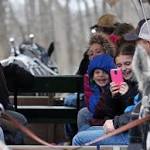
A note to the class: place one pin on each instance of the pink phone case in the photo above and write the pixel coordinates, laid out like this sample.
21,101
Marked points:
116,76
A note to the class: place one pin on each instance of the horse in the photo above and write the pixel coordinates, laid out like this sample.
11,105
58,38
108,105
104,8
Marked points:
30,56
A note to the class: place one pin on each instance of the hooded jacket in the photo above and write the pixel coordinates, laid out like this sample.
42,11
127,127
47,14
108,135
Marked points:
104,62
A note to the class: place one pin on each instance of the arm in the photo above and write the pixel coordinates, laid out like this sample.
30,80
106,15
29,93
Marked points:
121,120
4,96
117,122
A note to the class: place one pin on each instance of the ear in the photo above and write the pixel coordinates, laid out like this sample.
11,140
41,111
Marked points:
51,49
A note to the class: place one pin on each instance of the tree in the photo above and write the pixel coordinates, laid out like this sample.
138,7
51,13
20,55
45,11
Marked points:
3,30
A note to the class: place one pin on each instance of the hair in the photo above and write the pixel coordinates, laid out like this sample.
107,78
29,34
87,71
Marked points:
122,28
126,49
102,39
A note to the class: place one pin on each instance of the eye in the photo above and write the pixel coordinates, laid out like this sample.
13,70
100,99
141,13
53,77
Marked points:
119,65
90,53
99,51
128,63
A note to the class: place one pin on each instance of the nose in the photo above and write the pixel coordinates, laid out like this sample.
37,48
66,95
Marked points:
94,54
123,68
101,73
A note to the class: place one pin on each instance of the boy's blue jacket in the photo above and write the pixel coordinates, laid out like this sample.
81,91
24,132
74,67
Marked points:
104,62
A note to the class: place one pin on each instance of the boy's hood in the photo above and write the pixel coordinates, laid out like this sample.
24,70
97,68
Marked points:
104,62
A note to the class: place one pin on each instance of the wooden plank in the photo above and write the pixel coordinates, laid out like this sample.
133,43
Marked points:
51,114
57,84
39,147
29,97
53,84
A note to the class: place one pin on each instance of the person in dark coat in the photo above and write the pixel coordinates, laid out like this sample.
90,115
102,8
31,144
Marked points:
12,76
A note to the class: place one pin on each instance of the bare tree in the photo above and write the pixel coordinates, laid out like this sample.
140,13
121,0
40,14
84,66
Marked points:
30,15
44,19
14,19
69,29
80,21
3,31
88,15
51,20
95,9
104,6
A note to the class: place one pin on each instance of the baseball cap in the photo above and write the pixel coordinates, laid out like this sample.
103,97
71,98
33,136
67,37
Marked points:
142,31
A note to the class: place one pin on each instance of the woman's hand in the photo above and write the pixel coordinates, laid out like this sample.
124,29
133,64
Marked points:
108,126
114,88
123,88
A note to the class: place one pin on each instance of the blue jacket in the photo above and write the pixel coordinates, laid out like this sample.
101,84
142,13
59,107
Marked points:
104,62
137,100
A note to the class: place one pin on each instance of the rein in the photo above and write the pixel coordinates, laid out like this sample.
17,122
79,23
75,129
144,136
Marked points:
33,136
126,127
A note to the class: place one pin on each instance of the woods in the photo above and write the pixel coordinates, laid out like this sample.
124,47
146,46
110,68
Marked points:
66,22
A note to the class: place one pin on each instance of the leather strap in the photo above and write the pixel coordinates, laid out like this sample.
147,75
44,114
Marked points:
126,127
27,131
32,135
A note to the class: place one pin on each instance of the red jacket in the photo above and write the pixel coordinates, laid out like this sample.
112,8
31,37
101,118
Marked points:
87,89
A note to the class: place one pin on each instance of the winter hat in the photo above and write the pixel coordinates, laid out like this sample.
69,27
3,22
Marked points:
104,62
107,20
105,23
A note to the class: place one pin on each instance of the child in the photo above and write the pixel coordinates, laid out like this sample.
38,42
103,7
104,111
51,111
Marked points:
99,73
129,88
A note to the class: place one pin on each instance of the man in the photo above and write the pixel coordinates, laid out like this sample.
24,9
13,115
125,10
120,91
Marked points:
12,76
141,68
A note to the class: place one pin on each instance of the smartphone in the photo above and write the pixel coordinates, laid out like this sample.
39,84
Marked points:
116,76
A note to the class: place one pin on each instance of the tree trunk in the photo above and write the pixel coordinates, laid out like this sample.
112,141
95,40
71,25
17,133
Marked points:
81,25
87,11
3,31
30,15
95,9
16,22
69,32
51,20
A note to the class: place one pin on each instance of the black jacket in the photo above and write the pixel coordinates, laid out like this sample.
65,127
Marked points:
4,100
135,134
127,99
12,76
125,118
83,64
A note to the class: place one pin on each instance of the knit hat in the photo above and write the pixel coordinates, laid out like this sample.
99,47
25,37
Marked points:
107,20
104,62
106,23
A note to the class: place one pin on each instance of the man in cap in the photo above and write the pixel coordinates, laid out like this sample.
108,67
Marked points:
141,34
141,68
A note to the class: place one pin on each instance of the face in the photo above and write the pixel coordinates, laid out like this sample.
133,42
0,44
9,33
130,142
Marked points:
145,44
101,78
94,50
125,63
